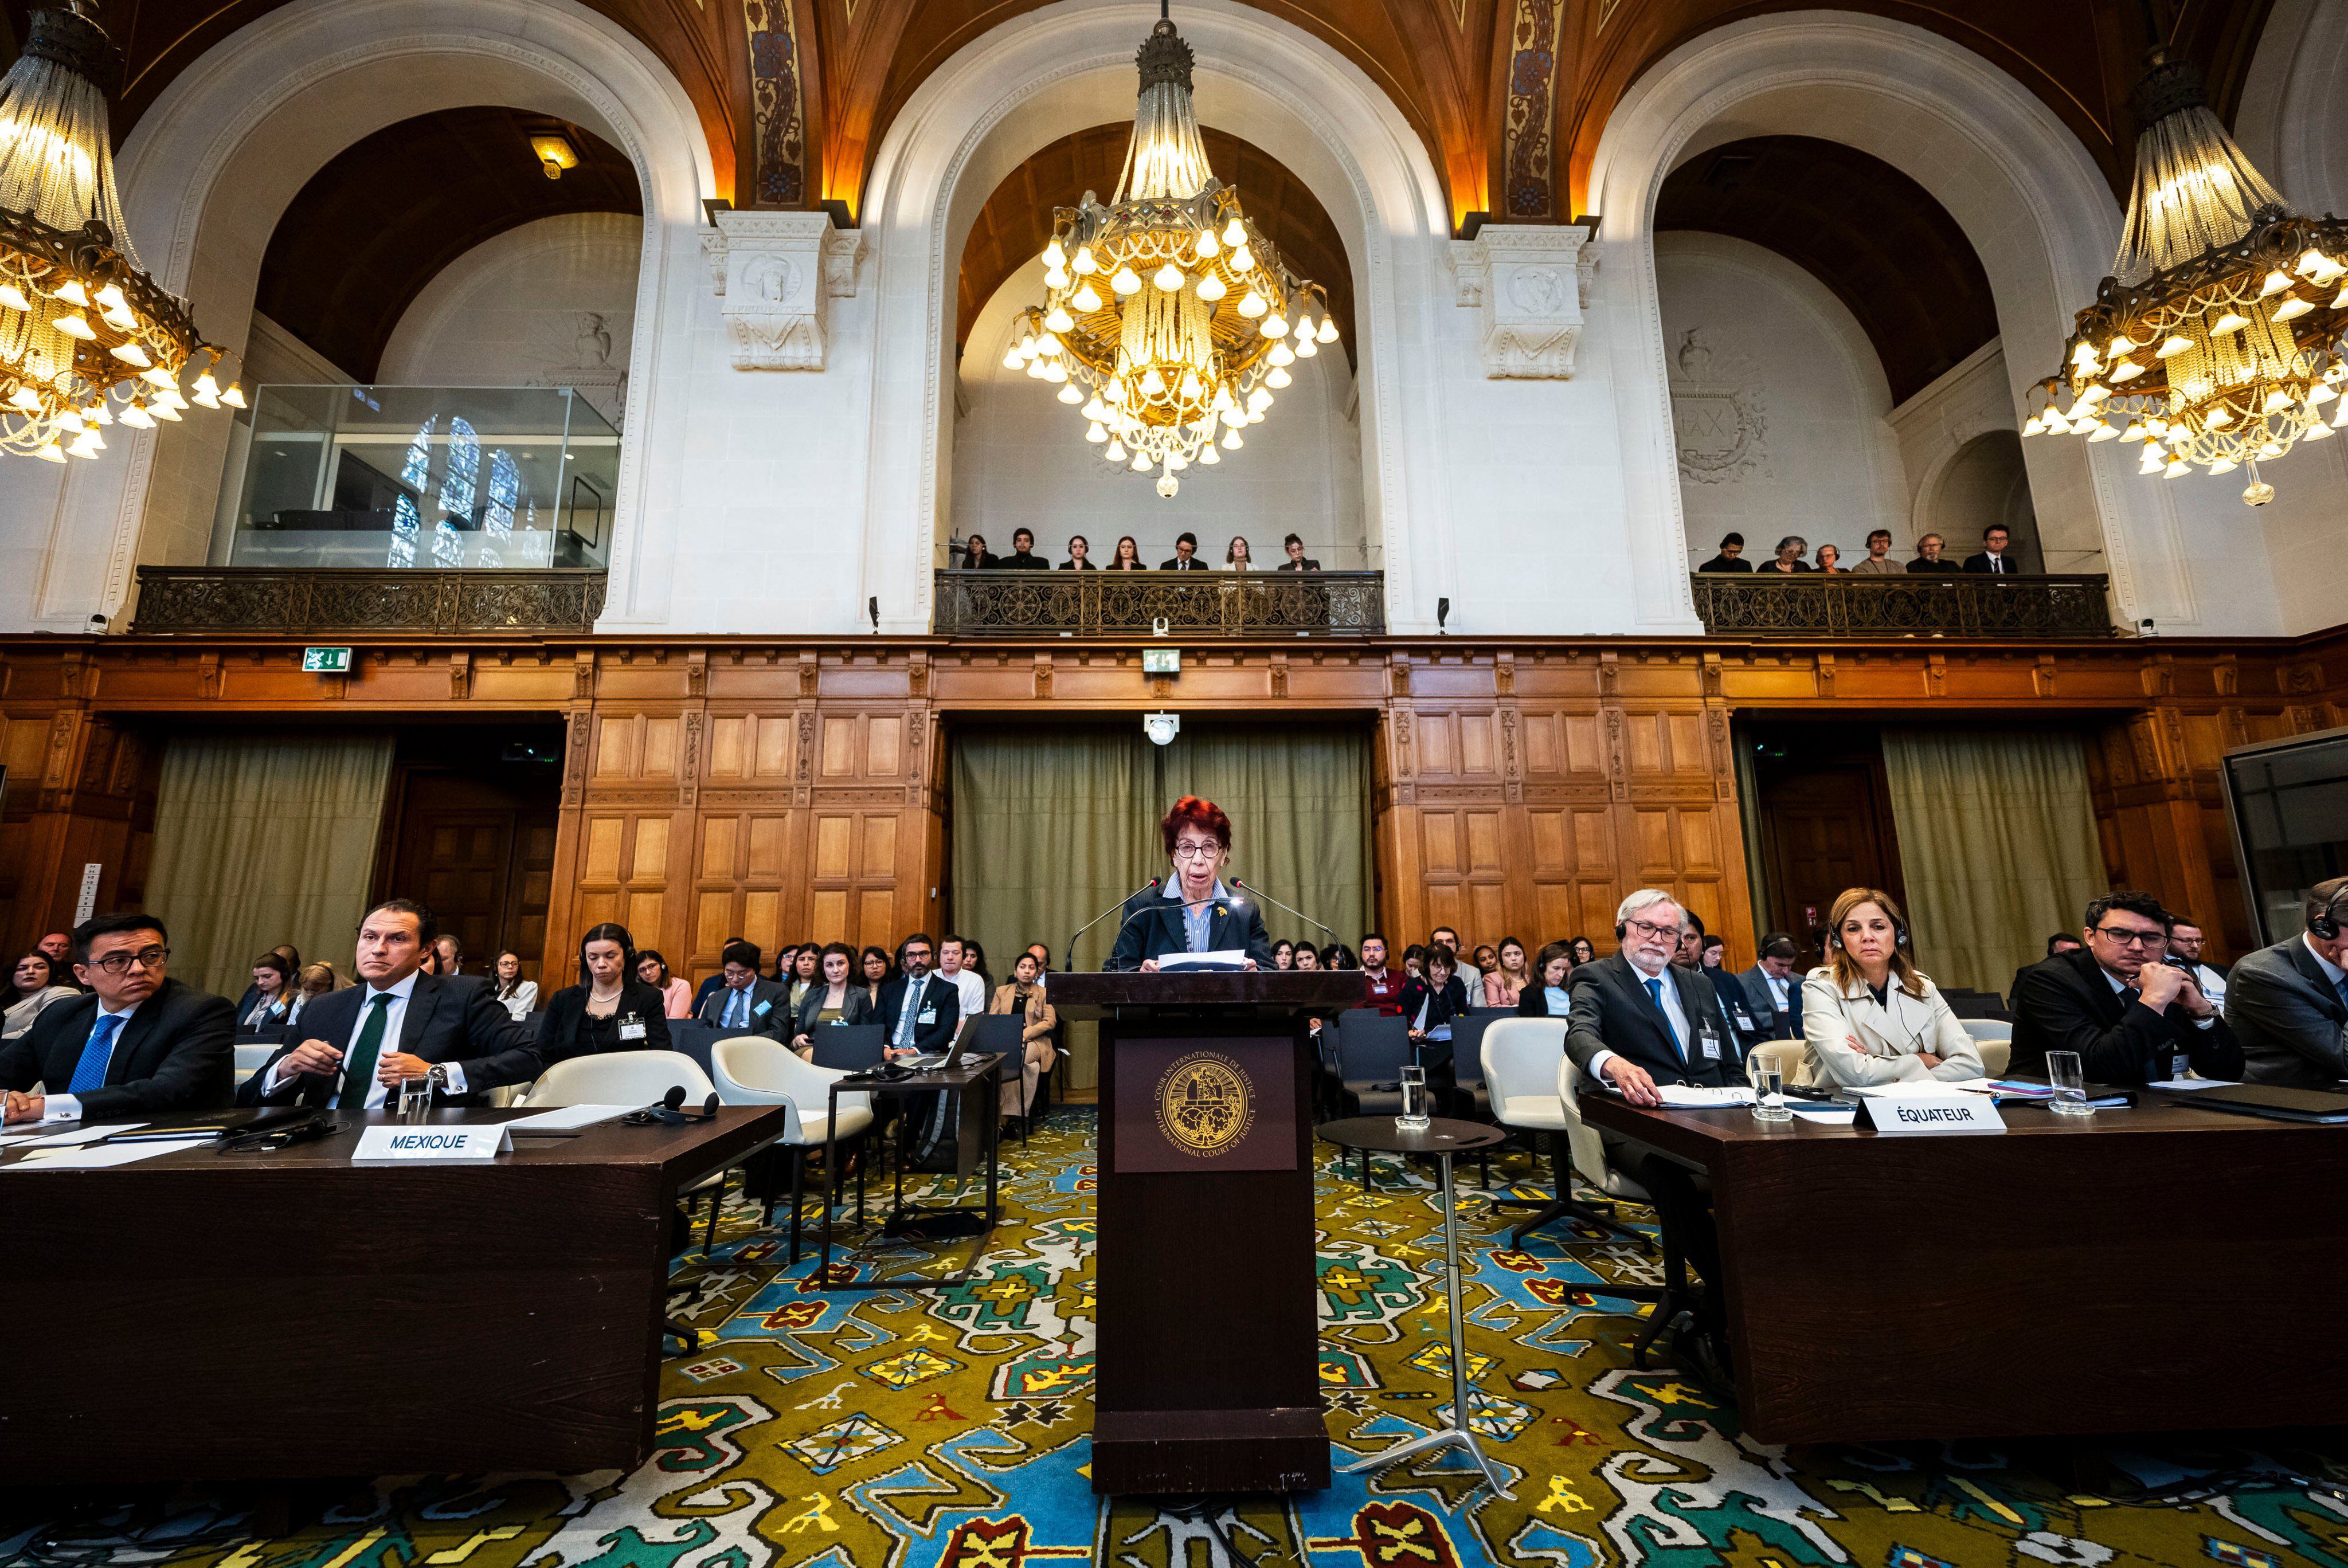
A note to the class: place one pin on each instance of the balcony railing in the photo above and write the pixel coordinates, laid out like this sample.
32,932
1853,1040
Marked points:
1814,606
1160,603
299,602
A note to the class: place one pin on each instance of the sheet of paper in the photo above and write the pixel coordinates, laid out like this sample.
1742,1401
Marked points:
83,1135
76,1158
567,1118
1233,957
1930,1088
2194,1083
1833,1115
1693,1097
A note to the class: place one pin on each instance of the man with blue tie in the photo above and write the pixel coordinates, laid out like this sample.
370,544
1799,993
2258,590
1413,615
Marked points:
918,1011
743,1002
1637,1020
140,1045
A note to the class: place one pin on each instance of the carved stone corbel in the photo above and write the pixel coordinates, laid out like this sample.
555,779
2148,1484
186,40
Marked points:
777,274
1529,283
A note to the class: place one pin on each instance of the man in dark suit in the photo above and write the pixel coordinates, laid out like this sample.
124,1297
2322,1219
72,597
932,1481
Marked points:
140,1045
1732,548
2059,942
358,1044
742,1001
2185,939
1184,548
2287,1004
1992,561
2133,1016
1772,990
918,1011
1023,555
1928,555
1638,1020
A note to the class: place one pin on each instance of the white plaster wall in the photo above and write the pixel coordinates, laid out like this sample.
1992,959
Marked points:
1780,373
1021,460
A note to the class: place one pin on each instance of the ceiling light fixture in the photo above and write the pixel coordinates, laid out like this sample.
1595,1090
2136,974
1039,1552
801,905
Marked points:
555,154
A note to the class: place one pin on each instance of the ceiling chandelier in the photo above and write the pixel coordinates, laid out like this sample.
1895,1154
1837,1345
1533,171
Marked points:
2217,341
86,338
1166,305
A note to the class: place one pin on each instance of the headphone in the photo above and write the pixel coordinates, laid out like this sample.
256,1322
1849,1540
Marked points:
1898,929
2325,928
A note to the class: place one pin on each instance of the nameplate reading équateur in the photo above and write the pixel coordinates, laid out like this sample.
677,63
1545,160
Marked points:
1890,1113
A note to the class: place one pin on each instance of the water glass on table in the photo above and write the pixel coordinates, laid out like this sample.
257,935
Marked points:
1414,1117
2068,1075
1768,1089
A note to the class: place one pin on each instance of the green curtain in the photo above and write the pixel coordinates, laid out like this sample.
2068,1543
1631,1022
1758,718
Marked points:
1053,822
263,839
1997,844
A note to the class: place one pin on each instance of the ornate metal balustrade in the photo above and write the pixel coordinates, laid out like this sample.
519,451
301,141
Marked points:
1137,603
283,599
1811,606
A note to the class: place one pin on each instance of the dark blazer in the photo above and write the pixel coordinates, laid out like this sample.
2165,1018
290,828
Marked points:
1178,564
1613,1011
1442,1005
1307,564
2065,1003
2292,1024
1942,565
1533,1001
1736,1006
1769,568
772,996
856,1009
1726,563
701,992
985,562
1152,927
938,997
558,1029
1022,560
454,1020
177,1053
1071,566
1979,565
1773,1023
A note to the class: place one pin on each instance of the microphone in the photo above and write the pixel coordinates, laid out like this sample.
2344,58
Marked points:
1260,892
1069,958
1184,904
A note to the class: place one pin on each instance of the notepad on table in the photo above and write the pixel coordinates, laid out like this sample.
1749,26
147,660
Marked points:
1691,1097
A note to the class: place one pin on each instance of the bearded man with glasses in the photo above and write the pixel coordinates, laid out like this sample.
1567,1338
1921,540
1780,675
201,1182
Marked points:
2133,1015
140,1045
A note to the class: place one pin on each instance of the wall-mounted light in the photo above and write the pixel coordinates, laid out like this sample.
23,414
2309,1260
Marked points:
555,154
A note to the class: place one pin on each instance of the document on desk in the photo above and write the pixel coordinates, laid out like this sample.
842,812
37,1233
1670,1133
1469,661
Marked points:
84,1157
1220,959
1694,1097
85,1135
1825,1115
2195,1083
567,1118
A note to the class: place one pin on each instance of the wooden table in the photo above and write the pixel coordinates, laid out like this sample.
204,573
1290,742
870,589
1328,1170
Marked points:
2151,1269
280,1317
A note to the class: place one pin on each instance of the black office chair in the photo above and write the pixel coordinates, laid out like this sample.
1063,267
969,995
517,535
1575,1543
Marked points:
849,1047
1470,1099
1373,1048
1000,1034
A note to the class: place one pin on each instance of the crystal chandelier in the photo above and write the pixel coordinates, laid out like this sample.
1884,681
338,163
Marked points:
2217,342
1166,305
86,338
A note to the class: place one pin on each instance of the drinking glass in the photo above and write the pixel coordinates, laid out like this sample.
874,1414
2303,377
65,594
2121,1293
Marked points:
415,1101
1414,1117
1768,1089
2069,1076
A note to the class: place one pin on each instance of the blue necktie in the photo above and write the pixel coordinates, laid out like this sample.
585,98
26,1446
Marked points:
89,1072
905,1014
1655,990
736,1009
2341,985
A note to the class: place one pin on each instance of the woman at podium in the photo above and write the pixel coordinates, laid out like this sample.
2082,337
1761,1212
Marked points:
1191,911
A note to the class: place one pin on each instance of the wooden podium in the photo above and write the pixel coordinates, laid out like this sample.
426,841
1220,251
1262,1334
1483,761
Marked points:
1206,1365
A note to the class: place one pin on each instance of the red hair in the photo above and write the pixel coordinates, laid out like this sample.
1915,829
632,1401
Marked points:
1191,811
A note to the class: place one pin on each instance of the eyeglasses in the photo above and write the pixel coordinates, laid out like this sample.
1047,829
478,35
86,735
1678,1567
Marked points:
1187,850
1652,930
2119,937
145,958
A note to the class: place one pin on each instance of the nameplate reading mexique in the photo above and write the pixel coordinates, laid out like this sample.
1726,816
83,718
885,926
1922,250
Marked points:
1931,1114
432,1142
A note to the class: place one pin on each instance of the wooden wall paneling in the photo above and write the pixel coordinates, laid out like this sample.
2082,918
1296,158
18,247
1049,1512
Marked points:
81,790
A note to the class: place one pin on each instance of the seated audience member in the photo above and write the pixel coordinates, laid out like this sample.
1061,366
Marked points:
676,997
33,988
702,992
1878,561
2287,1004
1236,556
1583,952
1308,958
837,998
1992,561
1547,996
518,996
1506,980
1022,557
1444,936
918,1011
2185,941
805,971
1638,1021
1732,548
1042,961
1830,558
1690,948
1790,551
272,994
1023,994
611,1009
1486,958
452,953
1712,953
140,1045
1186,549
1771,990
2059,942
1431,1002
1928,555
397,1023
1126,557
59,948
744,1002
1283,954
1381,987
973,555
1868,1015
1080,551
1337,956
1414,961
955,969
318,980
1297,560
878,971
2133,1016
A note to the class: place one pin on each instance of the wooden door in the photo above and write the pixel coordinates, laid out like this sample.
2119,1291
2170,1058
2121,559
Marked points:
1826,826
480,857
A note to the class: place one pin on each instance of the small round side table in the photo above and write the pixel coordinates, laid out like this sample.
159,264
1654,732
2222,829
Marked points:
1442,1138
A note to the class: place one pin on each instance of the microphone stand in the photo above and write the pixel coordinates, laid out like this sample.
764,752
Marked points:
1069,958
1259,893
1183,904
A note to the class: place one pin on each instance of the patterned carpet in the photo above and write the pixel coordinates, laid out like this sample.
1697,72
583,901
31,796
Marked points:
948,1429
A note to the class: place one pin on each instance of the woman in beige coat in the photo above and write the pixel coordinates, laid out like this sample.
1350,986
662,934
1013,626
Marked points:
1867,1016
1024,997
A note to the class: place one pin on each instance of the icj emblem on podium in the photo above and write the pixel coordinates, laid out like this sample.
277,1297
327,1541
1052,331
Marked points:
1204,1103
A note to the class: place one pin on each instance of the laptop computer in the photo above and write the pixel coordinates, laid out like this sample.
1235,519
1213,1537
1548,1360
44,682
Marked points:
931,1062
2273,1101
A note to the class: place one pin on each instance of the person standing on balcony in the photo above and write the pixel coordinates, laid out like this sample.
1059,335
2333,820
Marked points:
1831,559
1297,560
1732,547
1237,556
1079,550
1186,548
1992,561
1878,561
1023,555
1790,551
1127,557
973,553
1928,555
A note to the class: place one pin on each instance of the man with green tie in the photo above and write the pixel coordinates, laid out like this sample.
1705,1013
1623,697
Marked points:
397,1024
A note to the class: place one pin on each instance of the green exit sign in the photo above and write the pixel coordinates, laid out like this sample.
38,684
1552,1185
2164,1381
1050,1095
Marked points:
1161,662
325,660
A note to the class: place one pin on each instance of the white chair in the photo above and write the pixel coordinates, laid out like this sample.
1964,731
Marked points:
1590,1162
751,1069
1520,1067
1993,1038
634,1078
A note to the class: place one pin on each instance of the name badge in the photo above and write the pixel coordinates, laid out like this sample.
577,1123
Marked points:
2178,1066
432,1142
929,1015
1890,1113
632,1030
1711,1046
1744,1021
761,1008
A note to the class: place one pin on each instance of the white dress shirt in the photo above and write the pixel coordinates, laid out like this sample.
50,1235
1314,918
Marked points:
2332,971
68,1107
2212,984
393,1015
970,987
1673,1013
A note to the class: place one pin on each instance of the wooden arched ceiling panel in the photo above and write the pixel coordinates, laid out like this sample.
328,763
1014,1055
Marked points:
389,212
1011,227
1869,233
